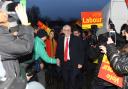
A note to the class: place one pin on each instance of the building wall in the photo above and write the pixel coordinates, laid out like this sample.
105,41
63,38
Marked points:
118,13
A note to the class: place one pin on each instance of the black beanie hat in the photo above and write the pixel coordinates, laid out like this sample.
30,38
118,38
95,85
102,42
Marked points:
41,33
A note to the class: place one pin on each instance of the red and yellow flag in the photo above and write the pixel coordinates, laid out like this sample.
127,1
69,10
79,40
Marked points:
42,26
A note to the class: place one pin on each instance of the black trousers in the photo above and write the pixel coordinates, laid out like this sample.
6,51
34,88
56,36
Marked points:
70,76
104,87
101,84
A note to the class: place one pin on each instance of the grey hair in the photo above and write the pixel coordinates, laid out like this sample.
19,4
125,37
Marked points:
66,26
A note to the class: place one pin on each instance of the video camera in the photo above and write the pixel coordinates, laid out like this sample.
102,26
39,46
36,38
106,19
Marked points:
9,7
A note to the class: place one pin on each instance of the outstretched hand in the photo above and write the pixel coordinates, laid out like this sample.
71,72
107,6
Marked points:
21,12
79,66
58,62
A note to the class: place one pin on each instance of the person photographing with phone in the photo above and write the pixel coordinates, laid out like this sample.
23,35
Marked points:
97,82
118,58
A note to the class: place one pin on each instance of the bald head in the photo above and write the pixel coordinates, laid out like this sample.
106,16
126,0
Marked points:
67,30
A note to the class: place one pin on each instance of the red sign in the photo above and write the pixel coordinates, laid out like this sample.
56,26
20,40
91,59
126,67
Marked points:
106,73
91,18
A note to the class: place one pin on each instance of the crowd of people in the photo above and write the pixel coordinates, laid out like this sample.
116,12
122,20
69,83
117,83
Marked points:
27,53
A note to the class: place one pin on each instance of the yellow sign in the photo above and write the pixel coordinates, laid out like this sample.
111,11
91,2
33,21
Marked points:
91,18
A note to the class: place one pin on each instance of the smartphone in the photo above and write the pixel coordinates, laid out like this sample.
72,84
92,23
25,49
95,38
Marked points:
112,34
23,2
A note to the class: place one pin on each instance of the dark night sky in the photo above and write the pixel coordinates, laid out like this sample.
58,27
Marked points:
66,9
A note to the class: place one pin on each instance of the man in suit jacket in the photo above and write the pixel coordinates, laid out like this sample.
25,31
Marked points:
71,61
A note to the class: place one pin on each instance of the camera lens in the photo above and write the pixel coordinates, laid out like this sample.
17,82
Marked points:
11,6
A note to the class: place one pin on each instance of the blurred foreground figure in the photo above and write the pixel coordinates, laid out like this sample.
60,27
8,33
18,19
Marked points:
13,45
118,58
32,78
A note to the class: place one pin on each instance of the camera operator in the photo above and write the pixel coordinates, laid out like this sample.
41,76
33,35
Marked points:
13,45
91,55
92,42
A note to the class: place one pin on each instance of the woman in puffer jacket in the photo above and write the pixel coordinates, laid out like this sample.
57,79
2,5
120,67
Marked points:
118,59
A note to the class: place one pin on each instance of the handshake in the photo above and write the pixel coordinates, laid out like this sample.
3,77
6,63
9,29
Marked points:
79,66
58,62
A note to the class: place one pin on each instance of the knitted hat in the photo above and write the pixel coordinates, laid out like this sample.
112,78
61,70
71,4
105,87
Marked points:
41,33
